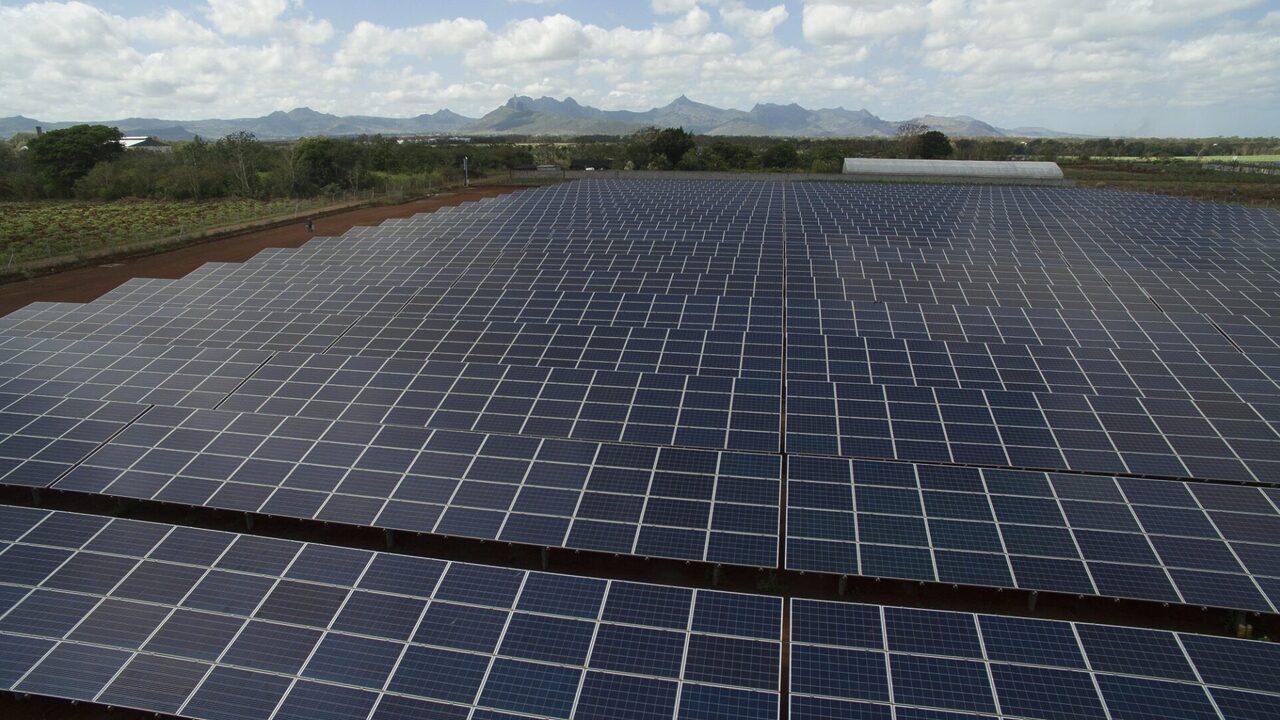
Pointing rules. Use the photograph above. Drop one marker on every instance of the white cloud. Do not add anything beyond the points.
(370, 44)
(673, 7)
(246, 18)
(171, 28)
(753, 23)
(521, 47)
(1041, 60)
(556, 37)
(694, 22)
(837, 21)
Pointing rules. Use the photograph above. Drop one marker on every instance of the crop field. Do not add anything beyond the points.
(1235, 158)
(1178, 179)
(1242, 159)
(30, 231)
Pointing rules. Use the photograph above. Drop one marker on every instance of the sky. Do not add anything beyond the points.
(1101, 67)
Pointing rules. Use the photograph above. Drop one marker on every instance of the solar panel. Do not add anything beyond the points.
(671, 502)
(1153, 437)
(1159, 540)
(850, 660)
(324, 629)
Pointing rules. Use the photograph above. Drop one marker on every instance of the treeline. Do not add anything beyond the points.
(88, 162)
(821, 155)
(1166, 147)
(676, 149)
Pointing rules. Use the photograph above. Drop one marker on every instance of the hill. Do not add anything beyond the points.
(546, 116)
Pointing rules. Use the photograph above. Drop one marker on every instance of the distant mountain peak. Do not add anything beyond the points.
(524, 115)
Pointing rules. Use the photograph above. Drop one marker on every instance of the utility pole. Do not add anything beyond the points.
(466, 177)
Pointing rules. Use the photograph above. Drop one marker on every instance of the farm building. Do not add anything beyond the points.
(143, 142)
(954, 170)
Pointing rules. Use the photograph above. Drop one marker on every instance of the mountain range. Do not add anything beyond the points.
(548, 116)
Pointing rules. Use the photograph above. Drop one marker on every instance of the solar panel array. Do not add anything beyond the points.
(867, 661)
(1042, 389)
(215, 625)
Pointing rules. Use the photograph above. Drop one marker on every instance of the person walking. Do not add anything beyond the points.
(311, 224)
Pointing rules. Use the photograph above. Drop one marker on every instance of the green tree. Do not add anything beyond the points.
(780, 156)
(734, 155)
(243, 152)
(639, 147)
(672, 143)
(934, 145)
(330, 164)
(195, 174)
(909, 134)
(137, 174)
(62, 157)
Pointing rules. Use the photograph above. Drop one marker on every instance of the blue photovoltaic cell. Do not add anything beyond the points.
(272, 646)
(838, 672)
(931, 633)
(1131, 651)
(461, 626)
(941, 682)
(562, 595)
(319, 701)
(652, 605)
(1045, 693)
(703, 702)
(196, 635)
(229, 693)
(607, 695)
(77, 672)
(643, 650)
(1140, 699)
(18, 655)
(530, 688)
(47, 612)
(1244, 665)
(415, 674)
(154, 683)
(548, 639)
(1034, 642)
(352, 660)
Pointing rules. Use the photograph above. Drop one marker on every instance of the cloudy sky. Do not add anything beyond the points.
(1120, 67)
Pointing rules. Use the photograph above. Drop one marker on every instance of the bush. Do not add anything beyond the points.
(934, 145)
(780, 156)
(62, 157)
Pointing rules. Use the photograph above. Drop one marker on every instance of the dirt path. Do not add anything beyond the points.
(85, 284)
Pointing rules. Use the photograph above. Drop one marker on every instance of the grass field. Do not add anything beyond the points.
(1245, 159)
(36, 230)
(1178, 179)
(1242, 159)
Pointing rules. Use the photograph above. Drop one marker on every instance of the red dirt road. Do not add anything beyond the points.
(85, 284)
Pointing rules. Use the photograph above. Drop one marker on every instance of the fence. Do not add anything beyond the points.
(1252, 169)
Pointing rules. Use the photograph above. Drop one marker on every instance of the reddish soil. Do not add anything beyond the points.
(85, 284)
